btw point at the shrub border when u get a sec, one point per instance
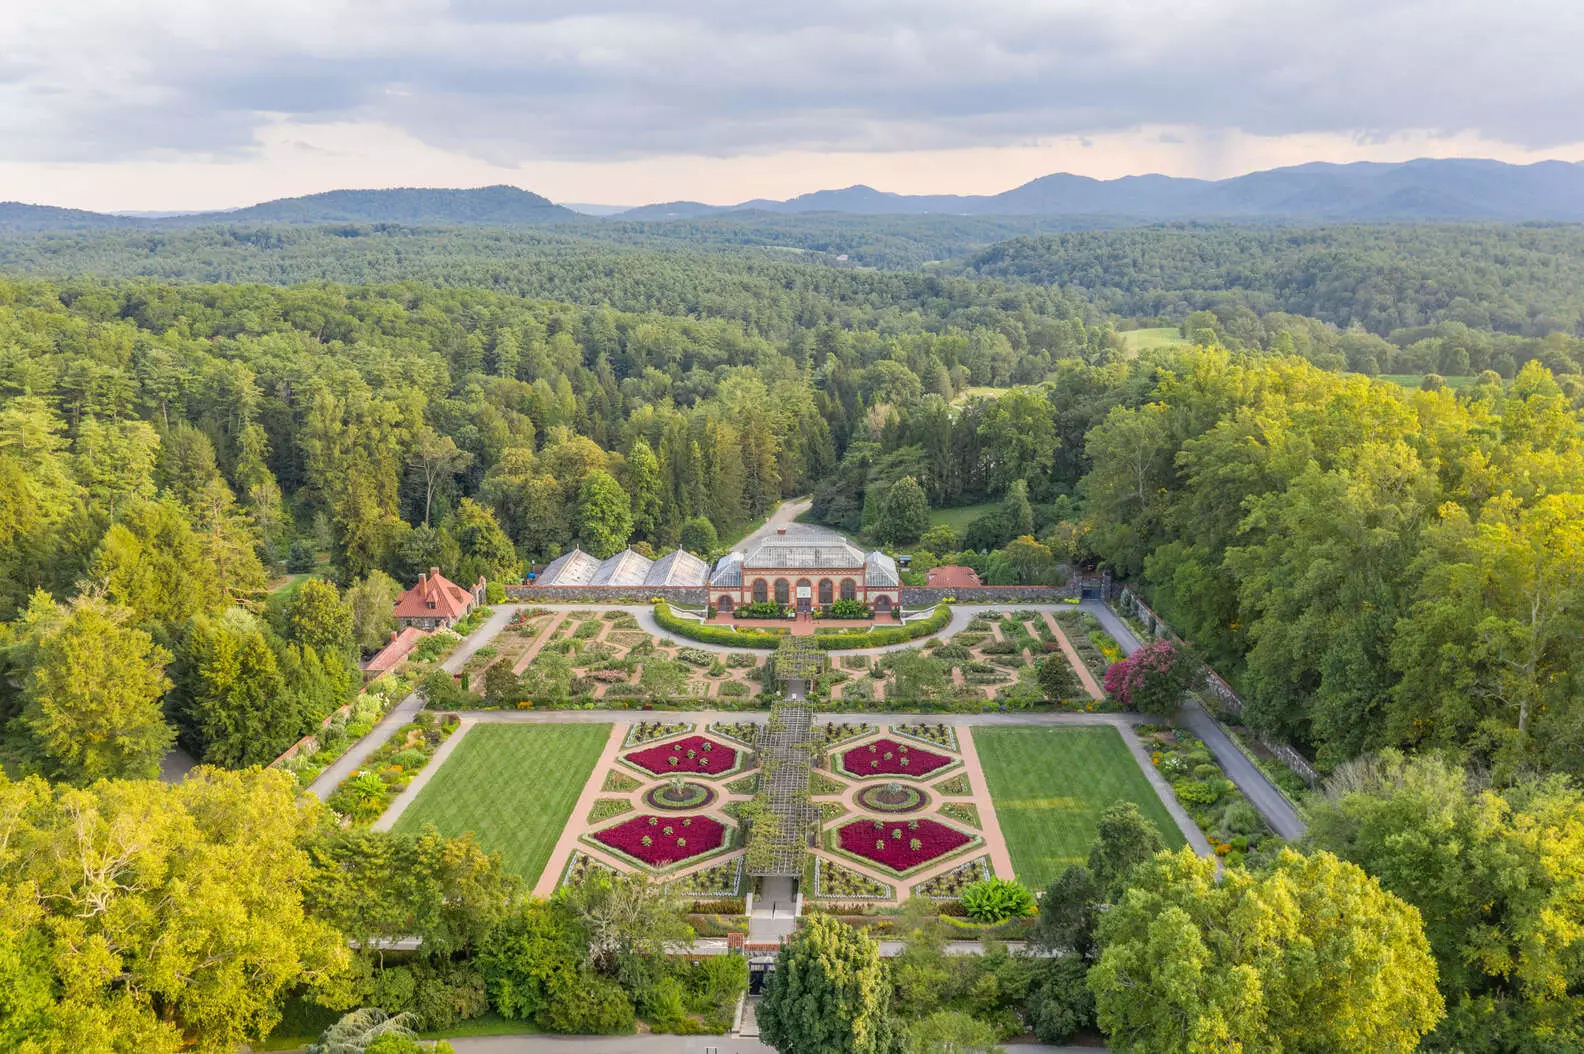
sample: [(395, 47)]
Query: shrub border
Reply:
[(734, 638)]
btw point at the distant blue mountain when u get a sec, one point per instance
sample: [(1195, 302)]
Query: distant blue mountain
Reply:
[(1456, 188)]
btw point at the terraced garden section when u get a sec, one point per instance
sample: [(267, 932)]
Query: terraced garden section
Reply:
[(1050, 786), (513, 786)]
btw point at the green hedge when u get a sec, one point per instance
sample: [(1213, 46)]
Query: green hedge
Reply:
[(735, 638)]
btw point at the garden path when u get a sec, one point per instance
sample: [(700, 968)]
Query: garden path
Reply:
[(393, 813), (990, 826), (538, 643), (576, 823), (1084, 676), (405, 711)]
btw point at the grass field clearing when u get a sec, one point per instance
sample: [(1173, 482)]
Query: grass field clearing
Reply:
[(1050, 785), (513, 786), (1136, 340), (959, 518), (1413, 380)]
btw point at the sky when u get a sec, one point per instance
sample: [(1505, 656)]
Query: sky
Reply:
[(200, 104)]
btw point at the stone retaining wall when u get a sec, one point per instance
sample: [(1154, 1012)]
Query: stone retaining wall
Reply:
[(607, 594), (915, 597)]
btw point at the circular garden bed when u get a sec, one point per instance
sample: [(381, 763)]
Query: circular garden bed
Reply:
[(892, 797), (688, 796), (662, 841), (690, 754), (887, 757)]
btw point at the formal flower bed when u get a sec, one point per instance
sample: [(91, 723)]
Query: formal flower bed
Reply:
[(648, 731), (719, 880), (834, 882), (950, 885), (663, 841), (892, 797), (887, 757), (692, 754), (688, 796), (582, 867), (939, 735), (901, 846)]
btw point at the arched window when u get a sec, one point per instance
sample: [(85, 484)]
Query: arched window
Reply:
[(825, 591), (724, 603), (882, 604), (760, 595), (783, 592), (849, 591)]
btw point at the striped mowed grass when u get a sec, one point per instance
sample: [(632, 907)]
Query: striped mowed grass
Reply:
[(513, 786), (1050, 785)]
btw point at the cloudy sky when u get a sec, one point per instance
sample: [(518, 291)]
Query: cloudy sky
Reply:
[(168, 104)]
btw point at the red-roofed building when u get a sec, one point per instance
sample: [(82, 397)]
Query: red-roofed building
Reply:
[(436, 602), (951, 576), (389, 657)]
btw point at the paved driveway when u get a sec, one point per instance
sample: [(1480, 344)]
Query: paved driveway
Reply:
[(1261, 792)]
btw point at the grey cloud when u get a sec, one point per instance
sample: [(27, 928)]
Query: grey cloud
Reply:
[(605, 79)]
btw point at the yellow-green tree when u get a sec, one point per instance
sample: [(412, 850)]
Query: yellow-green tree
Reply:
[(1312, 956), (91, 697)]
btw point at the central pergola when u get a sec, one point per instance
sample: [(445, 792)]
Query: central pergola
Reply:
[(783, 814)]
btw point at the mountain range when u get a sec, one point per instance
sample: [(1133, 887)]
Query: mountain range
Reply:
[(1445, 189)]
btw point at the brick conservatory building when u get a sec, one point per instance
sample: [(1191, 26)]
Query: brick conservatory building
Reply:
[(806, 567)]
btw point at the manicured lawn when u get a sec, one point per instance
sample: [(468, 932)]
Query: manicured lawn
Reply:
[(1159, 337), (513, 786), (1050, 786), (959, 518)]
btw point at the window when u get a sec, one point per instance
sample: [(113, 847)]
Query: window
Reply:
[(825, 591), (782, 593), (759, 593), (849, 591)]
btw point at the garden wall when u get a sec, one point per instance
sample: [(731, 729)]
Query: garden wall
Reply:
[(607, 594), (924, 596)]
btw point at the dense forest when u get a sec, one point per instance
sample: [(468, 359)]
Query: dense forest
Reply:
[(1377, 567)]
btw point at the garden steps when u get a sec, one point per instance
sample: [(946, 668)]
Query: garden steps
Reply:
[(1085, 678)]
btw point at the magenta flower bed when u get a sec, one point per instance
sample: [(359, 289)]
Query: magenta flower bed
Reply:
[(885, 846), (886, 757), (689, 836), (708, 756)]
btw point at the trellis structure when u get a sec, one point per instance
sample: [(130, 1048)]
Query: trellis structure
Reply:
[(782, 815)]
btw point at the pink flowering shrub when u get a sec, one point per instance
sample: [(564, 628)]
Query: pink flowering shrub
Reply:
[(1152, 679)]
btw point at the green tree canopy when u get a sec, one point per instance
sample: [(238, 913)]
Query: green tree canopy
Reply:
[(829, 993), (604, 515), (1262, 962)]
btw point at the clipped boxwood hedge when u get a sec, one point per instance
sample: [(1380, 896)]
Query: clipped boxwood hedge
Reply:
[(735, 638)]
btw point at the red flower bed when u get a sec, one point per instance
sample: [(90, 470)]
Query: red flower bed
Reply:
[(690, 836), (692, 754), (891, 843), (887, 757)]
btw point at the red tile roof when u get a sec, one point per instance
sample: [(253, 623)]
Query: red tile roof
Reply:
[(399, 648), (951, 576), (435, 596)]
